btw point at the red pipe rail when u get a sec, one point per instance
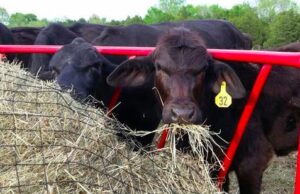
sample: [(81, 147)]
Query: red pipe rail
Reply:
[(261, 57)]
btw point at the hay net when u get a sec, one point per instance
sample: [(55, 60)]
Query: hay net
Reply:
[(50, 143)]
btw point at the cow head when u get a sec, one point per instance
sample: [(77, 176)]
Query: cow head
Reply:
[(183, 72), (112, 36), (80, 67)]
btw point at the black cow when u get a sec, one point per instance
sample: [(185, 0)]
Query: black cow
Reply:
[(24, 36), (53, 34), (292, 47), (283, 88), (248, 40), (188, 80), (6, 37), (56, 34), (78, 65), (148, 35), (132, 35), (87, 31)]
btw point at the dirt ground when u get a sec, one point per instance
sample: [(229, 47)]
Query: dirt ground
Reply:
[(279, 178)]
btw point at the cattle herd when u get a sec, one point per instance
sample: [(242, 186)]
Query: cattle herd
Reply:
[(186, 78)]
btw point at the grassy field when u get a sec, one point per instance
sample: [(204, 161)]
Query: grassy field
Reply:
[(279, 178)]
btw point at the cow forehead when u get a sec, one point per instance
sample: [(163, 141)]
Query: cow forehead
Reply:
[(183, 58)]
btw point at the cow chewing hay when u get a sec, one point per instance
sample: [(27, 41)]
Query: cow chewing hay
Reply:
[(51, 144), (201, 142), (200, 139)]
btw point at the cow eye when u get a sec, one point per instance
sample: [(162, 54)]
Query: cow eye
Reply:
[(158, 67), (54, 73), (94, 67), (105, 37), (55, 70), (197, 72), (162, 69)]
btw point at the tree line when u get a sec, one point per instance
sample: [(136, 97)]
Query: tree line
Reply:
[(269, 22)]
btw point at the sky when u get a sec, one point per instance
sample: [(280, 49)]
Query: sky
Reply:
[(109, 9)]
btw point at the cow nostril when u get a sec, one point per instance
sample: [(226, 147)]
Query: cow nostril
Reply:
[(174, 115), (182, 114)]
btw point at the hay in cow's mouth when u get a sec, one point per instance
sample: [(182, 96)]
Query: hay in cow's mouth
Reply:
[(201, 139), (202, 145), (50, 143)]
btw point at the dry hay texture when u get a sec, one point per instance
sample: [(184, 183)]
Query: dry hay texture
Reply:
[(51, 144)]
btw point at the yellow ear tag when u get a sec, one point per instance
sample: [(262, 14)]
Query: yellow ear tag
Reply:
[(223, 99)]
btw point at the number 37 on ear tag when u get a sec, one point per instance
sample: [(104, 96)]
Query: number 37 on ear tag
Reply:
[(223, 99)]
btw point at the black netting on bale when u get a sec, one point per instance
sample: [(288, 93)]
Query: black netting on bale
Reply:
[(50, 143)]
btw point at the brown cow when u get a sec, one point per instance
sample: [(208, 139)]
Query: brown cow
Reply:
[(188, 79)]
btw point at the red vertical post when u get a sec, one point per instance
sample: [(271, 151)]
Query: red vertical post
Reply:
[(163, 138), (116, 95), (114, 99), (246, 114), (297, 178)]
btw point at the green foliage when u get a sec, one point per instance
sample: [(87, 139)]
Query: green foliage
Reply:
[(285, 28), (4, 16), (170, 10), (239, 10), (188, 12), (82, 20), (38, 23), (245, 19), (205, 12), (171, 7), (155, 15), (65, 21), (211, 12), (95, 19), (133, 20), (115, 22), (268, 9), (20, 19), (218, 12)]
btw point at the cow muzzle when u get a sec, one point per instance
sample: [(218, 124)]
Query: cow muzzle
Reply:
[(182, 114)]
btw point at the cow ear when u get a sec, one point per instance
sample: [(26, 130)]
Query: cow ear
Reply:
[(78, 41), (223, 72), (133, 72)]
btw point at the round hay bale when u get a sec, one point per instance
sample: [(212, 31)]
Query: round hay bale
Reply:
[(51, 144)]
